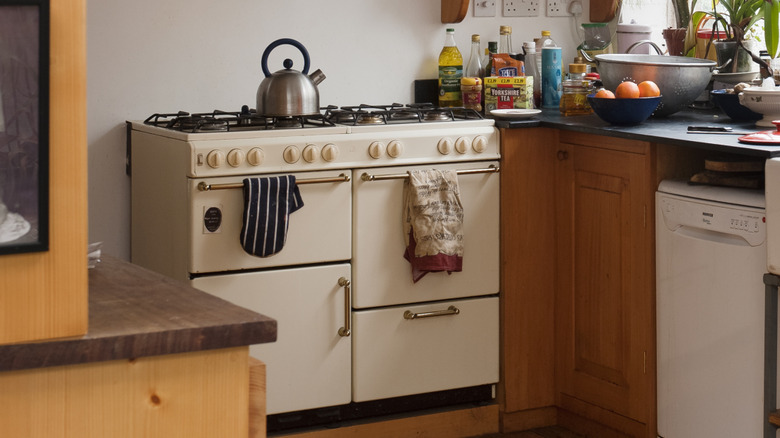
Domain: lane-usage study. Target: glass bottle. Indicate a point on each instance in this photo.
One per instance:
(471, 83)
(492, 50)
(529, 49)
(474, 66)
(545, 41)
(505, 40)
(486, 59)
(450, 72)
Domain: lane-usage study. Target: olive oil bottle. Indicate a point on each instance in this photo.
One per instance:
(450, 72)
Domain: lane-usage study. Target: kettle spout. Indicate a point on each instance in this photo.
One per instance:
(317, 77)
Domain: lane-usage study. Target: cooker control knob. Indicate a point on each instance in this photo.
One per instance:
(376, 149)
(235, 157)
(462, 145)
(291, 154)
(445, 146)
(330, 152)
(255, 156)
(215, 159)
(310, 153)
(479, 144)
(395, 148)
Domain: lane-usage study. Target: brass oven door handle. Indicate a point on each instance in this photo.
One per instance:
(203, 186)
(452, 310)
(369, 177)
(347, 329)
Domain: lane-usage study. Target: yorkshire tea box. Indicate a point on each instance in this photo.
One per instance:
(509, 92)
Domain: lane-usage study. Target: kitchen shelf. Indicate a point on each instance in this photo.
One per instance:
(454, 11)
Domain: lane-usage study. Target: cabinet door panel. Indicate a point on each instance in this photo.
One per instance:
(604, 319)
(599, 326)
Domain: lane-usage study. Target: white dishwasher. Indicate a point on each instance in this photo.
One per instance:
(710, 261)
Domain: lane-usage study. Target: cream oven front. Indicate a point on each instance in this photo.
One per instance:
(353, 328)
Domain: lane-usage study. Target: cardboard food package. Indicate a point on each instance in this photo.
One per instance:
(512, 92)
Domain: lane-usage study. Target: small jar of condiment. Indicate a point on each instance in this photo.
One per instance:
(574, 100)
(471, 91)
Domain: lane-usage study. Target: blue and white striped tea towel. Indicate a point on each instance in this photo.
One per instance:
(268, 203)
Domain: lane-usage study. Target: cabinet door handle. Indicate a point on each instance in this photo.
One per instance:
(346, 330)
(563, 155)
(452, 310)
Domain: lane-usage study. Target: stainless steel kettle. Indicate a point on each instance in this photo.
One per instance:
(288, 92)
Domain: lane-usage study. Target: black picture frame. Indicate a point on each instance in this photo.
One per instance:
(24, 126)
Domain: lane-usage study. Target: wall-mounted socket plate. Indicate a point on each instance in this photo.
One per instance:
(521, 8)
(484, 8)
(558, 8)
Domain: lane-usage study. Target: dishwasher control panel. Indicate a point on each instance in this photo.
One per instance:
(725, 222)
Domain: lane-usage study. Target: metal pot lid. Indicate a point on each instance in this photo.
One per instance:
(764, 137)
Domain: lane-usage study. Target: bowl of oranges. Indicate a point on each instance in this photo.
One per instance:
(629, 104)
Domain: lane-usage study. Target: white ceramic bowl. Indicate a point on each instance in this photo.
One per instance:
(763, 101)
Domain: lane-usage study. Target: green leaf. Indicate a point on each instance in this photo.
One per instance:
(771, 9)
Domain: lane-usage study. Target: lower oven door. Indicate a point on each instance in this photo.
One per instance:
(381, 274)
(405, 350)
(309, 364)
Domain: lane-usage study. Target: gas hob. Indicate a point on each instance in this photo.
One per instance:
(224, 143)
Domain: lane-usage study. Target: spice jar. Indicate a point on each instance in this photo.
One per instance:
(471, 92)
(574, 100)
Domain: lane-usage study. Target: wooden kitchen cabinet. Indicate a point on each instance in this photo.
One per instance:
(604, 297)
(578, 282)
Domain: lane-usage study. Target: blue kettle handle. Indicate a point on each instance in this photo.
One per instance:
(287, 62)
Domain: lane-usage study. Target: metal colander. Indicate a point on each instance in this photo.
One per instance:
(681, 79)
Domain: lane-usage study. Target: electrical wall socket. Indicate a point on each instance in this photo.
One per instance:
(484, 8)
(521, 8)
(558, 8)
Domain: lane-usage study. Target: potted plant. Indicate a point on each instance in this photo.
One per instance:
(771, 34)
(675, 36)
(735, 18)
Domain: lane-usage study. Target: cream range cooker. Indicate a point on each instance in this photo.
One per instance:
(355, 334)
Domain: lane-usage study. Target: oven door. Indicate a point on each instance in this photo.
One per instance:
(309, 365)
(404, 350)
(383, 277)
(318, 232)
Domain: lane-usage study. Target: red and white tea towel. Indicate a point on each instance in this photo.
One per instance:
(433, 222)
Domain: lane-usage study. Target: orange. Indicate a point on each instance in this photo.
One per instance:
(604, 93)
(627, 90)
(648, 89)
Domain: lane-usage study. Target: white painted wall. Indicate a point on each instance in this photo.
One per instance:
(149, 56)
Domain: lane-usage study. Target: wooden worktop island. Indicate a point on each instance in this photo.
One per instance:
(160, 359)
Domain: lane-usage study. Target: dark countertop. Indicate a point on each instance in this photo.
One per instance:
(669, 130)
(134, 312)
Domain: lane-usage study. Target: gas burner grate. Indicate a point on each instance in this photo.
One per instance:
(396, 113)
(243, 120)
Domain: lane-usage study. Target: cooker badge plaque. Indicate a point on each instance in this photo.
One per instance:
(212, 220)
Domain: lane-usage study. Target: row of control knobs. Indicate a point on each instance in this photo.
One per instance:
(292, 154)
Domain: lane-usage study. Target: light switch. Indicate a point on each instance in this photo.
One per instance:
(484, 8)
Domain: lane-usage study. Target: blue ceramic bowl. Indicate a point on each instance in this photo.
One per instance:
(624, 111)
(730, 105)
